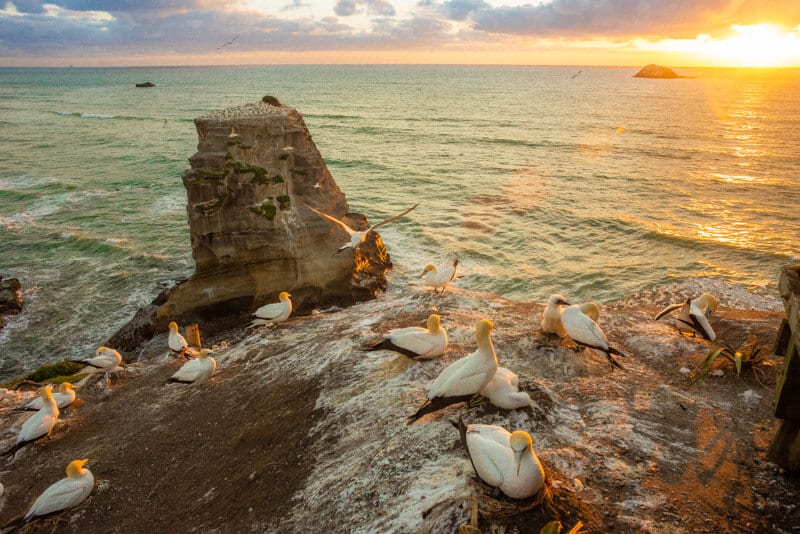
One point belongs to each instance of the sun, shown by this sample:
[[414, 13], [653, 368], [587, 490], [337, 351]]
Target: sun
[[759, 45]]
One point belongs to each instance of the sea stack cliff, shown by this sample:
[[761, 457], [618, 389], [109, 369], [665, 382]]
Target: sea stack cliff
[[251, 236]]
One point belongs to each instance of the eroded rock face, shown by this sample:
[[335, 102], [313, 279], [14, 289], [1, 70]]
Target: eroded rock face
[[251, 236]]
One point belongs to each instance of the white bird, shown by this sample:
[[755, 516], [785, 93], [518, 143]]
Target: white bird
[[503, 390], [504, 460], [439, 277], [66, 493], [64, 397], [357, 236], [551, 317], [693, 315], [197, 370], [39, 424], [465, 377], [274, 313], [416, 342], [175, 341], [591, 309], [583, 331], [105, 359]]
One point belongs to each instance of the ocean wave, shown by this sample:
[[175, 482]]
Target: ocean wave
[[105, 116]]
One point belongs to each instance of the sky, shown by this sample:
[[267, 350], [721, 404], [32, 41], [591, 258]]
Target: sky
[[519, 32]]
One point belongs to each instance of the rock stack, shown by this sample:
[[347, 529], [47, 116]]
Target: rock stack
[[10, 298], [251, 235]]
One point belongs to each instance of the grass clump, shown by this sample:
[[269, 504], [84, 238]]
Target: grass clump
[[284, 201], [211, 206], [55, 373], [746, 357], [267, 209], [283, 156], [271, 100], [277, 179]]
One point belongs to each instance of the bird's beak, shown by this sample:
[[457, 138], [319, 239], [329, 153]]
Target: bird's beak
[[423, 274], [565, 303], [518, 457], [84, 462]]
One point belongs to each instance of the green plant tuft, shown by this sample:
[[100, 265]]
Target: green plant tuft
[[747, 357], [283, 156], [211, 206], [267, 209], [284, 201]]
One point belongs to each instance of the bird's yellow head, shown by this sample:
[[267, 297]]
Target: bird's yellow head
[[556, 299], [520, 440], [284, 296], [75, 467], [173, 327], [427, 269], [46, 392], [434, 321], [483, 328], [65, 387], [709, 300], [591, 309], [203, 353], [100, 349]]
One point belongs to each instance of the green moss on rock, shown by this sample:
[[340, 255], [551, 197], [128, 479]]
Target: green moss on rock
[[54, 373], [283, 156], [284, 201], [211, 206], [267, 209]]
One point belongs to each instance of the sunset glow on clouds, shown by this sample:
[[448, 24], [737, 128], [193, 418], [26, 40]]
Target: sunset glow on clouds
[[582, 32]]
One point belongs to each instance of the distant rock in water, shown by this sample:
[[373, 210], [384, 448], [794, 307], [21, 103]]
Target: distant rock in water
[[146, 84], [10, 298], [656, 71], [251, 236]]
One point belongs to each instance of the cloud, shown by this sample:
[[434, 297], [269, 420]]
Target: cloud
[[461, 9], [296, 4], [346, 8], [644, 18]]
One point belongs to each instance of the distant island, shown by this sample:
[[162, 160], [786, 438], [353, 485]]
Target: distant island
[[656, 71]]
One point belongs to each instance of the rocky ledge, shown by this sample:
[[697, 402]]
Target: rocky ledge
[[10, 298], [300, 431]]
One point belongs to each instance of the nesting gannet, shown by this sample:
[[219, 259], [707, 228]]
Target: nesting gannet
[[66, 493], [693, 315], [357, 236], [197, 370], [439, 277], [64, 397], [175, 341], [416, 342], [504, 460], [583, 331], [465, 377], [105, 359], [39, 424], [591, 309], [274, 313], [503, 390], [551, 317]]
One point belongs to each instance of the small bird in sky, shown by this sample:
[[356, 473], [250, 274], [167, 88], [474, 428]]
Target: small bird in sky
[[227, 43]]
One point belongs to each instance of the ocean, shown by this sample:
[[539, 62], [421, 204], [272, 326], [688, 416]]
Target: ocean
[[580, 180]]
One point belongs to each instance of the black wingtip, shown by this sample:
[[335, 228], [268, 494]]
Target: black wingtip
[[436, 404]]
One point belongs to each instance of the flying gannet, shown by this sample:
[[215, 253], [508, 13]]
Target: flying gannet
[[274, 313], [551, 317], [416, 342], [503, 390], [175, 341], [64, 397], [357, 236], [66, 493], [693, 315], [197, 370], [439, 277], [504, 460], [585, 332], [39, 424], [465, 377]]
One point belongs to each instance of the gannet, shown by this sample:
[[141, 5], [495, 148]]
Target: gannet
[[504, 460], [551, 317], [66, 493], [416, 342], [175, 341], [465, 377], [357, 236], [39, 424], [197, 370], [105, 359], [583, 331], [64, 397], [693, 315], [274, 313], [439, 278], [591, 309], [503, 391]]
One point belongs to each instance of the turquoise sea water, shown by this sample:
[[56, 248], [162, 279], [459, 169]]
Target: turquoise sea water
[[580, 180]]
